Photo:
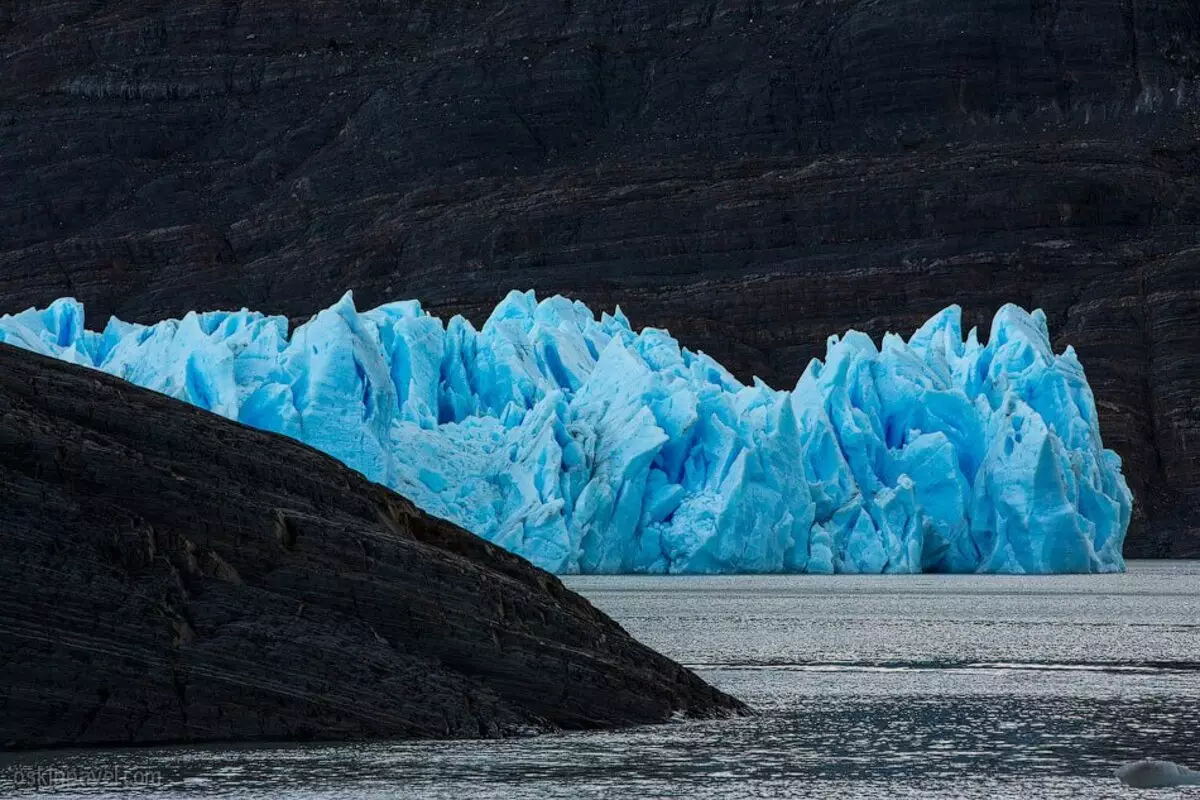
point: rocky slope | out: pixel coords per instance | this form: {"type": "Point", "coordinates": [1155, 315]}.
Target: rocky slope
{"type": "Point", "coordinates": [753, 176]}
{"type": "Point", "coordinates": [171, 576]}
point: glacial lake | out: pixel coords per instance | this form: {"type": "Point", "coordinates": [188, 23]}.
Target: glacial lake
{"type": "Point", "coordinates": [867, 687]}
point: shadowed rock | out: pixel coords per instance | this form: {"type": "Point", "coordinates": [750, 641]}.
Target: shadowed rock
{"type": "Point", "coordinates": [171, 576]}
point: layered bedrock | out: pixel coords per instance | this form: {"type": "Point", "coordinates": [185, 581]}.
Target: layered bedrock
{"type": "Point", "coordinates": [171, 576]}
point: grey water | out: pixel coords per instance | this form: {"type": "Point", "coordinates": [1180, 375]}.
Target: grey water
{"type": "Point", "coordinates": [867, 687]}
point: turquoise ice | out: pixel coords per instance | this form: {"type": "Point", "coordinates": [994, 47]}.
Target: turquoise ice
{"type": "Point", "coordinates": [585, 446]}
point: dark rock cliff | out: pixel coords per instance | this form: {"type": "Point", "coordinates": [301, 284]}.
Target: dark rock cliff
{"type": "Point", "coordinates": [172, 576]}
{"type": "Point", "coordinates": [752, 175]}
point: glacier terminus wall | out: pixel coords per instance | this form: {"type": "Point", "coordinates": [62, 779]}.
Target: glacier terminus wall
{"type": "Point", "coordinates": [586, 446]}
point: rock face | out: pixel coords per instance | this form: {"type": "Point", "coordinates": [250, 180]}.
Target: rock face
{"type": "Point", "coordinates": [171, 576]}
{"type": "Point", "coordinates": [750, 176]}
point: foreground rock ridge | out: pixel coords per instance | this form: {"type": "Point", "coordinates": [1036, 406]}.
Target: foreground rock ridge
{"type": "Point", "coordinates": [588, 447]}
{"type": "Point", "coordinates": [172, 576]}
{"type": "Point", "coordinates": [750, 176]}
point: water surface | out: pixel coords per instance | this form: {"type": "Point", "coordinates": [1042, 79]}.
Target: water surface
{"type": "Point", "coordinates": [880, 686]}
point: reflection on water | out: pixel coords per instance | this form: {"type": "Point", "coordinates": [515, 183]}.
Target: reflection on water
{"type": "Point", "coordinates": [897, 687]}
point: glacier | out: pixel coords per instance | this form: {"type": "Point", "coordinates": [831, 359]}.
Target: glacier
{"type": "Point", "coordinates": [586, 446]}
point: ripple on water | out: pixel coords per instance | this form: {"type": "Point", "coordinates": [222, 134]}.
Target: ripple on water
{"type": "Point", "coordinates": [929, 687]}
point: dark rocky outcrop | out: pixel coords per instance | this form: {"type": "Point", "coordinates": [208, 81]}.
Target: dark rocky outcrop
{"type": "Point", "coordinates": [168, 575]}
{"type": "Point", "coordinates": [752, 175]}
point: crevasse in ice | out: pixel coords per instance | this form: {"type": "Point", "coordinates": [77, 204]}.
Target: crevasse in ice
{"type": "Point", "coordinates": [588, 447]}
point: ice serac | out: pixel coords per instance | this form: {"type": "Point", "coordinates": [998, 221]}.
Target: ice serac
{"type": "Point", "coordinates": [588, 447]}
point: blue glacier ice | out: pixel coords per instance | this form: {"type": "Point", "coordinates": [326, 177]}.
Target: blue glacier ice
{"type": "Point", "coordinates": [585, 446]}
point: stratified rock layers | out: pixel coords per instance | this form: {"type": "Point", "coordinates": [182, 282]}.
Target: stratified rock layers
{"type": "Point", "coordinates": [751, 178]}
{"type": "Point", "coordinates": [172, 576]}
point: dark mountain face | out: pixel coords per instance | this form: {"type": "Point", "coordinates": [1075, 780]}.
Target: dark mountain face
{"type": "Point", "coordinates": [172, 576]}
{"type": "Point", "coordinates": [752, 176]}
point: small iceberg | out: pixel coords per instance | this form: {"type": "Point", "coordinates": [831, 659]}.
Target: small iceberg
{"type": "Point", "coordinates": [1151, 774]}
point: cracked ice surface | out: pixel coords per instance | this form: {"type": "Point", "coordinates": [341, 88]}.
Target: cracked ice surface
{"type": "Point", "coordinates": [585, 446]}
